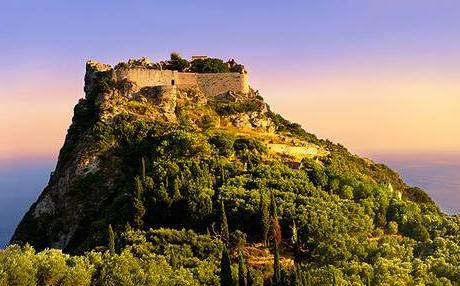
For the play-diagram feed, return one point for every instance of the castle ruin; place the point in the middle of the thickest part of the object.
(143, 73)
(211, 84)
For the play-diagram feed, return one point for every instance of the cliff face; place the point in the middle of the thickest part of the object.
(89, 173)
(121, 126)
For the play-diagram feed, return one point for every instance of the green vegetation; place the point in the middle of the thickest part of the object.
(294, 129)
(226, 278)
(111, 240)
(226, 108)
(160, 257)
(180, 205)
(178, 63)
(209, 65)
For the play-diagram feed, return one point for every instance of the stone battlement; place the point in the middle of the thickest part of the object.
(211, 84)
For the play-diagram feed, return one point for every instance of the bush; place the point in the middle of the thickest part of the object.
(392, 227)
(238, 239)
(178, 63)
(210, 65)
(232, 108)
(223, 143)
(18, 265)
(51, 267)
(284, 125)
(250, 144)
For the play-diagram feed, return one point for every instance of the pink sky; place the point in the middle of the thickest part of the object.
(376, 76)
(367, 112)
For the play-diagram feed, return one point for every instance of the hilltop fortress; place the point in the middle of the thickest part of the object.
(143, 73)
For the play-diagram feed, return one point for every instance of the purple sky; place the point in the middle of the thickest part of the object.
(373, 75)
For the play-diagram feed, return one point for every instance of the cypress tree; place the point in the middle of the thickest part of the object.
(138, 205)
(250, 278)
(241, 271)
(111, 240)
(222, 174)
(223, 224)
(143, 169)
(273, 207)
(226, 278)
(277, 266)
(295, 240)
(275, 227)
(308, 279)
(264, 219)
(296, 277)
(176, 190)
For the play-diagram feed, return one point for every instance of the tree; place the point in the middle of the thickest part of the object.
(275, 226)
(224, 224)
(241, 271)
(264, 218)
(273, 207)
(138, 205)
(111, 240)
(295, 239)
(250, 278)
(392, 227)
(178, 63)
(143, 169)
(176, 190)
(210, 65)
(226, 278)
(276, 266)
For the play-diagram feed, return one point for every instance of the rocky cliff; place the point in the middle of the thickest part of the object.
(89, 173)
(120, 130)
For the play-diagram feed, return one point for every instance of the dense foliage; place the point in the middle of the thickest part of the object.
(160, 257)
(178, 63)
(334, 219)
(209, 65)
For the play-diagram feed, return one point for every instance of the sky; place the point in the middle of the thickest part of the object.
(376, 76)
(380, 77)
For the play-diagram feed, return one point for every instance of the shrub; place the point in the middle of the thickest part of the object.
(250, 144)
(223, 143)
(231, 108)
(18, 265)
(51, 267)
(238, 239)
(392, 227)
(178, 63)
(121, 269)
(210, 65)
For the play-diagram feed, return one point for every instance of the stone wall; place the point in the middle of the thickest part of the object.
(146, 77)
(217, 83)
(211, 84)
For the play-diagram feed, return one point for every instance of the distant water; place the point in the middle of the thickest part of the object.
(437, 174)
(22, 181)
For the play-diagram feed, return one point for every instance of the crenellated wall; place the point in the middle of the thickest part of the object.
(211, 84)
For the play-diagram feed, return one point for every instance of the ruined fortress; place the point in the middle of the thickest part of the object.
(147, 74)
(211, 84)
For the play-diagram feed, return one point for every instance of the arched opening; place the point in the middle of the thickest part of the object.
(172, 82)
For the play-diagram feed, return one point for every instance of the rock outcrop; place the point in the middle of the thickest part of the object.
(86, 175)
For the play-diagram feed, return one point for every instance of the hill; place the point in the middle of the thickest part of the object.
(183, 160)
